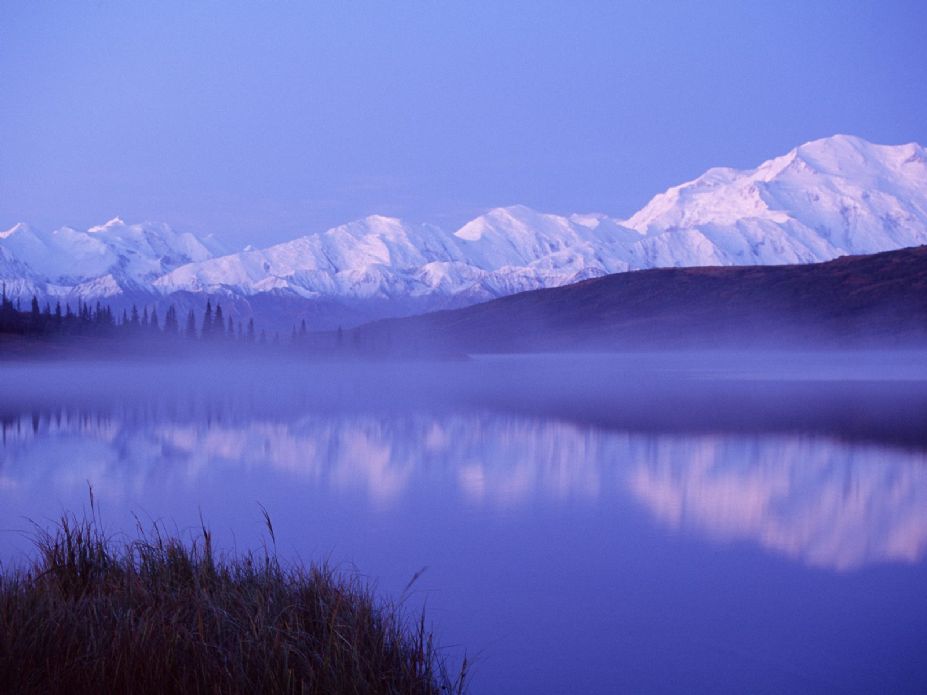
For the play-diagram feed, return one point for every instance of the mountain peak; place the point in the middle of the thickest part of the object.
(840, 187)
(18, 228)
(377, 219)
(499, 221)
(114, 222)
(849, 155)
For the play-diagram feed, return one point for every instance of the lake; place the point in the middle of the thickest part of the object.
(717, 522)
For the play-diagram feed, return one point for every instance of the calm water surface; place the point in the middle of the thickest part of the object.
(637, 524)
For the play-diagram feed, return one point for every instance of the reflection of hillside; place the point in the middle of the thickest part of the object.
(495, 459)
(827, 504)
(823, 502)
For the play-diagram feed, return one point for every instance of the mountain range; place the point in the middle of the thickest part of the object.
(827, 198)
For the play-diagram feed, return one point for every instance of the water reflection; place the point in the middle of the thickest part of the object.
(814, 499)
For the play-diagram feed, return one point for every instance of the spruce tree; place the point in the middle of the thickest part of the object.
(206, 331)
(190, 331)
(170, 321)
(218, 322)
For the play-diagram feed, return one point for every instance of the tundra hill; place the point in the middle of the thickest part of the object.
(853, 301)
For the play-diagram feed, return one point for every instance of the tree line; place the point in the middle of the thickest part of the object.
(98, 319)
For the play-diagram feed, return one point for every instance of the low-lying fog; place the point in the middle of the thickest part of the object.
(881, 395)
(590, 523)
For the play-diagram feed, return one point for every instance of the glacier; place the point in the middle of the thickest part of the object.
(826, 198)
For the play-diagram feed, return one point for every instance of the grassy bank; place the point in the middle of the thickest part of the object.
(155, 614)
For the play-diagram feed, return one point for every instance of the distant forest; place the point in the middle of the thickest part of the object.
(98, 320)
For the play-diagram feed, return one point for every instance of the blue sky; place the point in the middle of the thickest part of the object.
(259, 121)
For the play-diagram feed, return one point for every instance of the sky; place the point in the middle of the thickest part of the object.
(261, 121)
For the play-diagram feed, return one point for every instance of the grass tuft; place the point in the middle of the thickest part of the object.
(158, 615)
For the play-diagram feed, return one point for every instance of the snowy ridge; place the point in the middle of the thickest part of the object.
(102, 261)
(836, 196)
(827, 198)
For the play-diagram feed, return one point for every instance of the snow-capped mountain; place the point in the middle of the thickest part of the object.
(103, 261)
(827, 198)
(840, 195)
(503, 251)
(373, 256)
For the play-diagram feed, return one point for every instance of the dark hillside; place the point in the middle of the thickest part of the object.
(879, 299)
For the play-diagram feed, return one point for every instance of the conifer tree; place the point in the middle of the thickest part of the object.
(190, 331)
(251, 330)
(218, 322)
(206, 328)
(170, 321)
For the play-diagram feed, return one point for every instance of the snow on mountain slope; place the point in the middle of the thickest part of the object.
(104, 260)
(374, 257)
(835, 196)
(506, 250)
(518, 236)
(826, 198)
(17, 278)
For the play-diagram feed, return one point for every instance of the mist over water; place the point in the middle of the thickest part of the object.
(589, 523)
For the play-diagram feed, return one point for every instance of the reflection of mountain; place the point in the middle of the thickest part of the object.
(823, 502)
(828, 504)
(493, 458)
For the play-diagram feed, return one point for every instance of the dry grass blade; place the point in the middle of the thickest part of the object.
(155, 614)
